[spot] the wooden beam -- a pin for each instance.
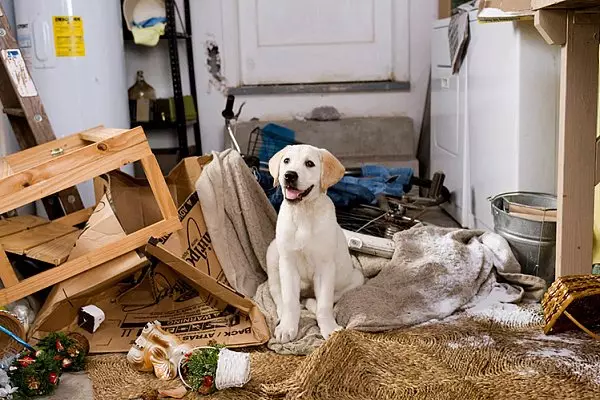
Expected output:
(56, 251)
(88, 261)
(17, 112)
(597, 180)
(22, 241)
(31, 157)
(100, 133)
(7, 273)
(5, 169)
(159, 187)
(86, 163)
(17, 224)
(577, 148)
(552, 25)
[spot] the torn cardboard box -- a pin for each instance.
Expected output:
(166, 296)
(125, 205)
(182, 306)
(66, 297)
(504, 10)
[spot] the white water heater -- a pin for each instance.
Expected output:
(75, 52)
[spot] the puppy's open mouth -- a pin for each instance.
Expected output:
(292, 194)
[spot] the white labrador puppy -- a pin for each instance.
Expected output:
(309, 257)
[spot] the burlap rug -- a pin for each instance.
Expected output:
(461, 358)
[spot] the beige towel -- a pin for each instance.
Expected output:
(239, 218)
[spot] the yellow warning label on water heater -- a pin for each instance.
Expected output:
(68, 36)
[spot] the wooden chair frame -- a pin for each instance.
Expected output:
(46, 169)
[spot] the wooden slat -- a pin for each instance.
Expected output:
(576, 148)
(567, 4)
(100, 133)
(31, 157)
(597, 171)
(17, 112)
(159, 187)
(56, 251)
(551, 24)
(22, 241)
(5, 169)
(84, 164)
(7, 273)
(90, 260)
(17, 224)
(76, 218)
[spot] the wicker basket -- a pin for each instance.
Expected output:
(573, 301)
(9, 346)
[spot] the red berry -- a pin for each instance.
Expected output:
(26, 361)
(53, 378)
(66, 363)
(208, 381)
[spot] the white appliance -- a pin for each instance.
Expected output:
(495, 123)
(76, 55)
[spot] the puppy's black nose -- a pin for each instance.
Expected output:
(291, 176)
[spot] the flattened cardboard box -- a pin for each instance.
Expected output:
(491, 11)
(186, 310)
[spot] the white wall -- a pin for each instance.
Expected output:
(213, 21)
(208, 24)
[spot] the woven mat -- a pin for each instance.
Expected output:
(457, 359)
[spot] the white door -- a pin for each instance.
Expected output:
(290, 41)
(448, 141)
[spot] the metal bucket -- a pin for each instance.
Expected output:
(533, 242)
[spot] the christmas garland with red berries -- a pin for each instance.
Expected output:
(37, 373)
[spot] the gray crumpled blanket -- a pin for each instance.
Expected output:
(433, 273)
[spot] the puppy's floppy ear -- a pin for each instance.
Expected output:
(274, 163)
(332, 170)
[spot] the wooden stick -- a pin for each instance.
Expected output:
(576, 148)
(7, 273)
(159, 187)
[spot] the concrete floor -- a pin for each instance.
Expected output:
(76, 386)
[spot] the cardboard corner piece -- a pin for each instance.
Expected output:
(186, 291)
(491, 11)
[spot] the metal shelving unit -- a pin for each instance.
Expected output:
(173, 37)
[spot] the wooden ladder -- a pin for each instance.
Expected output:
(25, 111)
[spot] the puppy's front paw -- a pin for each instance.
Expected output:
(328, 327)
(286, 332)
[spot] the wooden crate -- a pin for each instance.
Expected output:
(51, 167)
